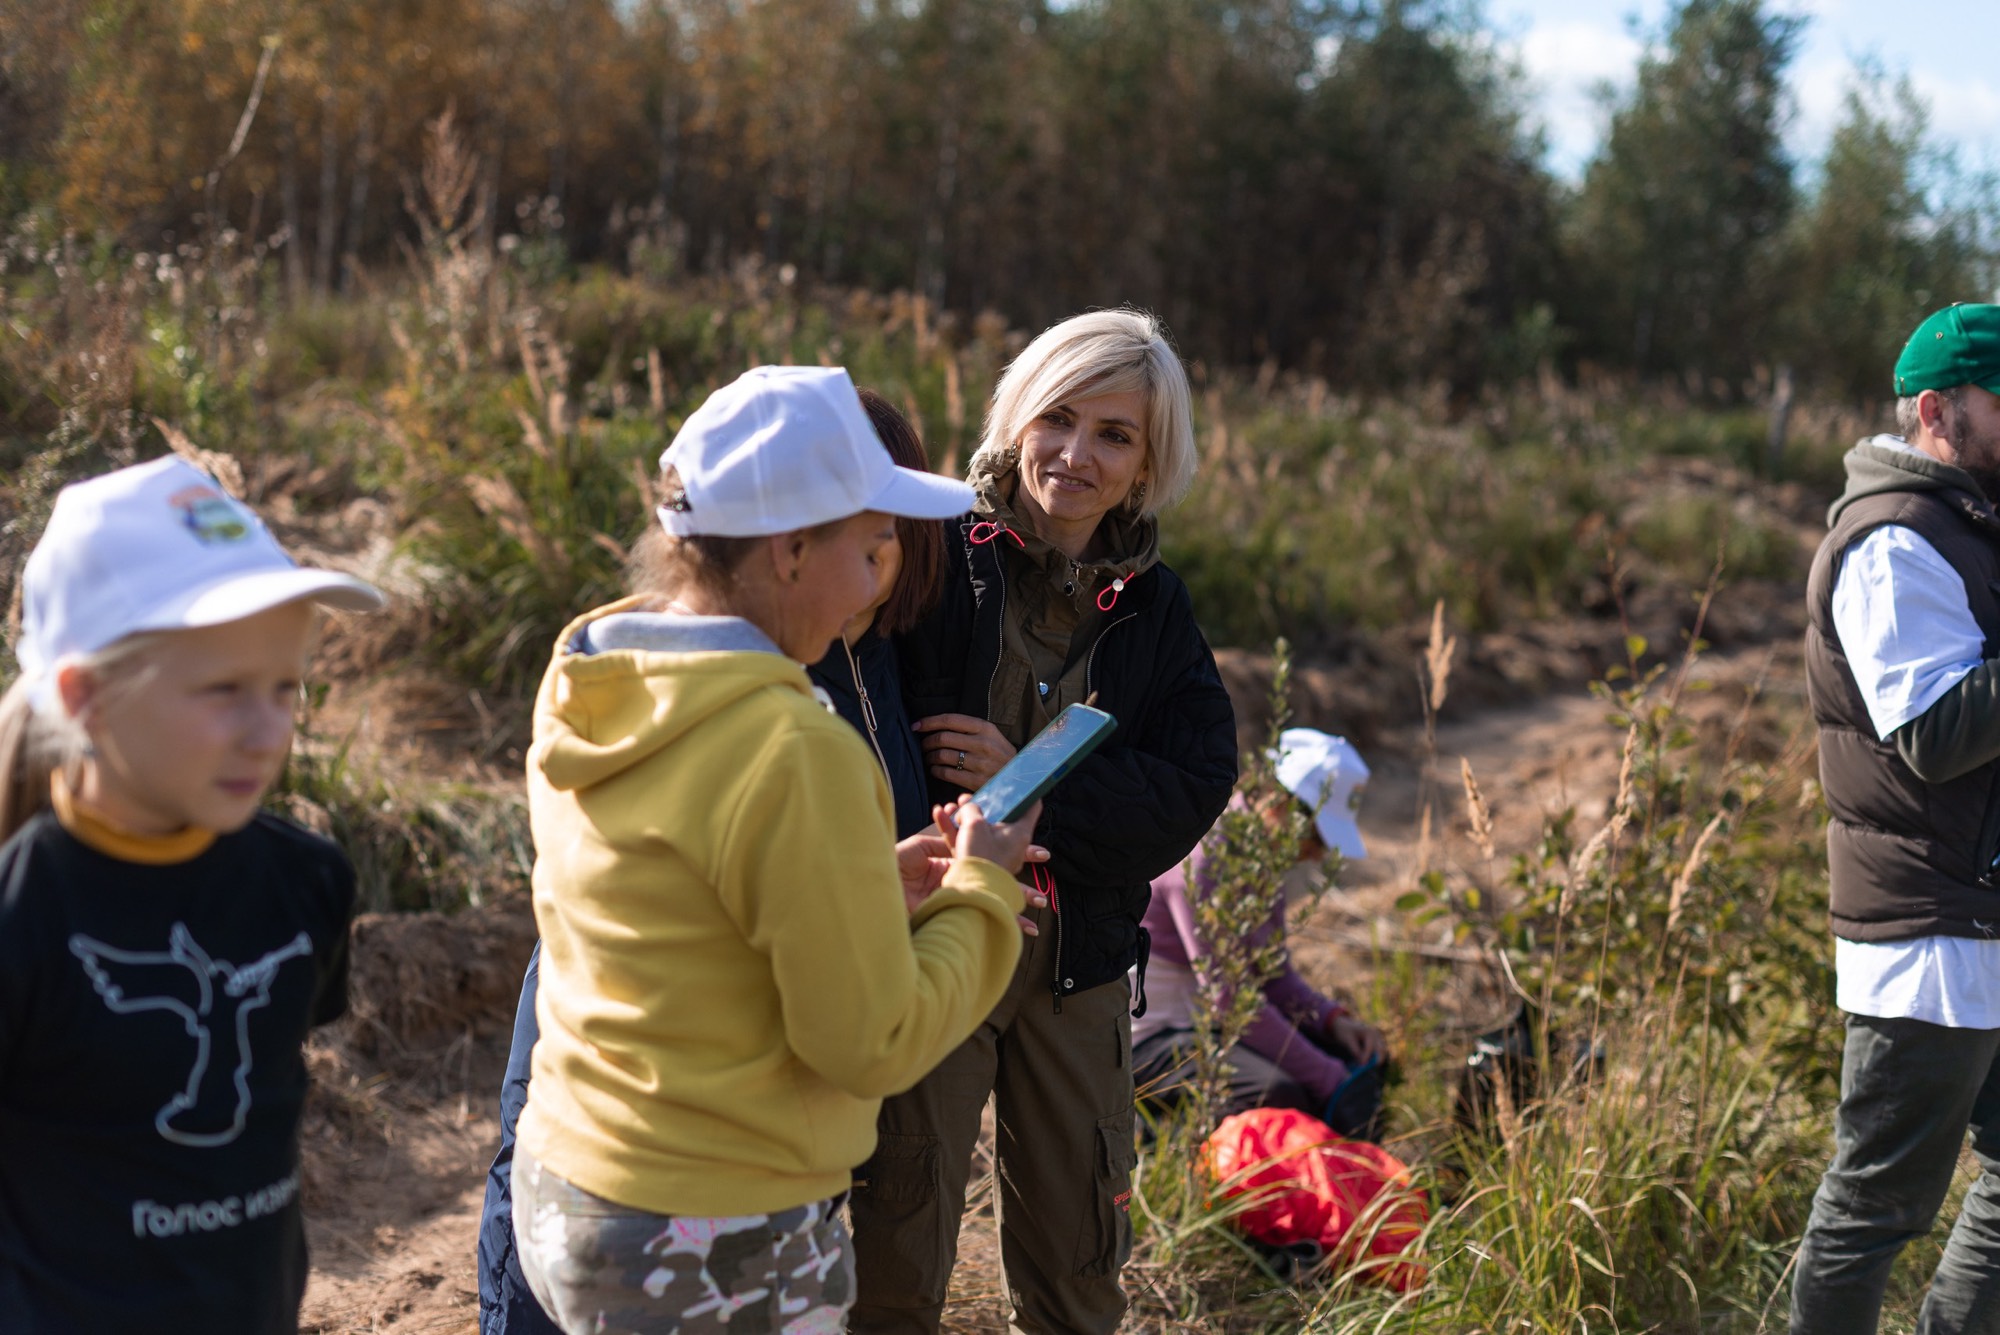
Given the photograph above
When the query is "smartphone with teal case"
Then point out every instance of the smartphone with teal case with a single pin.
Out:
(1040, 765)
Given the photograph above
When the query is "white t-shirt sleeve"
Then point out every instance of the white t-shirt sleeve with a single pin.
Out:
(1903, 620)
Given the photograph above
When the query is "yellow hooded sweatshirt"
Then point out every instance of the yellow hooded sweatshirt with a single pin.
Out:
(730, 983)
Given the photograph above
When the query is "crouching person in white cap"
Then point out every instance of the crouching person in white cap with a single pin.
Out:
(1303, 1050)
(165, 944)
(738, 959)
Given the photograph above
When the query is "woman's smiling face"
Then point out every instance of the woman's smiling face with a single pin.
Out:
(1080, 459)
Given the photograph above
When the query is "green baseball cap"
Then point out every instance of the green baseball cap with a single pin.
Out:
(1959, 345)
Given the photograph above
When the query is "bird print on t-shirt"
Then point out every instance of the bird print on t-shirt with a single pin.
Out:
(213, 999)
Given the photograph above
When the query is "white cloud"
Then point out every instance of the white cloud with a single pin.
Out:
(1566, 62)
(1819, 87)
(1962, 110)
(1580, 51)
(1566, 48)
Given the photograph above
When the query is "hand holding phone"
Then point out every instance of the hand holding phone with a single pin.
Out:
(969, 834)
(1044, 762)
(973, 836)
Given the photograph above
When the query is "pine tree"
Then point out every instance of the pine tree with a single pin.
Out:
(1892, 234)
(1675, 232)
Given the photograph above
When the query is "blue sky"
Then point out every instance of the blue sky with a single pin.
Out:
(1947, 47)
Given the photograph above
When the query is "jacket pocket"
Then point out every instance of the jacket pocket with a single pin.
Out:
(1106, 1240)
(903, 1240)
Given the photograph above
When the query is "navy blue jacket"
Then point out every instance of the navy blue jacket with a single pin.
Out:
(902, 753)
(506, 1307)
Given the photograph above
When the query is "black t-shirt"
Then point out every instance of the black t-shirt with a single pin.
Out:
(151, 1077)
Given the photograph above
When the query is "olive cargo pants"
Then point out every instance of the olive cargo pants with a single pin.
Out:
(1062, 1091)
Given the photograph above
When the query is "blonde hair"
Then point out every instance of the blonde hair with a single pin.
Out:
(1102, 352)
(38, 737)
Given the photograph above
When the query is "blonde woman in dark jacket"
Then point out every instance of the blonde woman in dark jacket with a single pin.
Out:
(1054, 591)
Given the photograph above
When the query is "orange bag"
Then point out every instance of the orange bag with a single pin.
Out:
(1307, 1183)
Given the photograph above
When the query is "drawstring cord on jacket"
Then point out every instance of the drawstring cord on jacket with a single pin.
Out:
(987, 530)
(1044, 882)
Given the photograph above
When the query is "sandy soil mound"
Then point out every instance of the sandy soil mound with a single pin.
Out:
(401, 1124)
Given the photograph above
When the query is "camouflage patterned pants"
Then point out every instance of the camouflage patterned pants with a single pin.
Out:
(600, 1268)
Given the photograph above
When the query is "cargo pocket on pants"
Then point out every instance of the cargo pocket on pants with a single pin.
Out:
(1106, 1242)
(902, 1251)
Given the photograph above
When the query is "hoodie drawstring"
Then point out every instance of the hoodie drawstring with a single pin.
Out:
(1107, 598)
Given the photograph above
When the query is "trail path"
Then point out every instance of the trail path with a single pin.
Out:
(393, 1217)
(1530, 761)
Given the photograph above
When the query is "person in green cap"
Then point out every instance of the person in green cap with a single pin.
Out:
(1904, 605)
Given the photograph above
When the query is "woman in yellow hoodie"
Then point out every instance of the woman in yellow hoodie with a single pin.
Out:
(730, 980)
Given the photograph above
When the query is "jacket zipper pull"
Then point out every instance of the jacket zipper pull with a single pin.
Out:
(867, 706)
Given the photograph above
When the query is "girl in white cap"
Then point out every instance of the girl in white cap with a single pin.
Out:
(730, 981)
(164, 944)
(1303, 1049)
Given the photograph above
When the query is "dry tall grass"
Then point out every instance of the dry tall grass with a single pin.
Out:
(486, 414)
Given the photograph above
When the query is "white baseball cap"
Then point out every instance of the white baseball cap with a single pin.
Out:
(1327, 774)
(159, 546)
(786, 447)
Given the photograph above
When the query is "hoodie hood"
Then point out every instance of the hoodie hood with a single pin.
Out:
(626, 683)
(1882, 464)
(1131, 541)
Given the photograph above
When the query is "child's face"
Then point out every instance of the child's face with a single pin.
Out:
(202, 733)
(1280, 807)
(842, 572)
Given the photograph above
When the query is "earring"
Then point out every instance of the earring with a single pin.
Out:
(1138, 492)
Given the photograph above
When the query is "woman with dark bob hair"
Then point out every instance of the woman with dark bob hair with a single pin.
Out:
(1054, 593)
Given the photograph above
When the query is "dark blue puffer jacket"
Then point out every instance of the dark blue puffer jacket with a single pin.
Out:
(506, 1307)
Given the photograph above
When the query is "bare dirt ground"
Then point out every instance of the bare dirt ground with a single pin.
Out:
(403, 1122)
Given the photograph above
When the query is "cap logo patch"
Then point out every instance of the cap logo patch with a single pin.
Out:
(211, 516)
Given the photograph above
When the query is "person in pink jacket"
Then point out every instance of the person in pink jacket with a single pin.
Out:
(1303, 1050)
